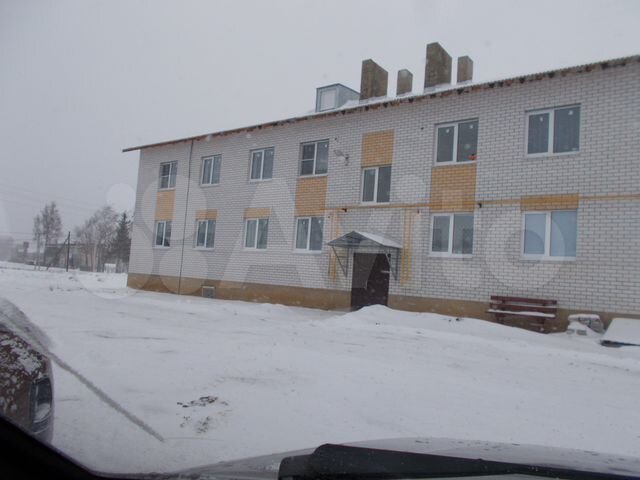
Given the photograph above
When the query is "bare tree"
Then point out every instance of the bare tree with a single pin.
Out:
(47, 226)
(96, 235)
(86, 240)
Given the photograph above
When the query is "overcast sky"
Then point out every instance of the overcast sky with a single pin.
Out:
(81, 80)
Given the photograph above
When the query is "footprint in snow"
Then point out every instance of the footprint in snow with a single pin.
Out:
(202, 424)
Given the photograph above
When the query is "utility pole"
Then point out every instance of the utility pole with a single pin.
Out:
(68, 248)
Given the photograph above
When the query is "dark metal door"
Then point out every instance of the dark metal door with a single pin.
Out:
(370, 283)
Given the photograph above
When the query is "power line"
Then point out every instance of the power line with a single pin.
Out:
(40, 193)
(27, 197)
(33, 202)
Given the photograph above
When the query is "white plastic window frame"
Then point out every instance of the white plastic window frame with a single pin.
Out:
(547, 238)
(449, 253)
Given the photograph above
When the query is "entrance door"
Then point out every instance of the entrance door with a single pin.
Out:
(370, 283)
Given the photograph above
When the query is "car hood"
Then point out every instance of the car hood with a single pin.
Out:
(22, 361)
(266, 467)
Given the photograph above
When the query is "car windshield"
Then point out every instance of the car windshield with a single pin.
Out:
(233, 230)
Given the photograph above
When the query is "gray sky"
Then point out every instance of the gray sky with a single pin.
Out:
(80, 80)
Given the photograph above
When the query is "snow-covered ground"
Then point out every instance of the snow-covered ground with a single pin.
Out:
(217, 380)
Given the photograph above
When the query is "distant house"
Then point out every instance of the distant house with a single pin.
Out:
(526, 186)
(7, 247)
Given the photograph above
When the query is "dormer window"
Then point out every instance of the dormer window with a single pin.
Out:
(334, 96)
(328, 99)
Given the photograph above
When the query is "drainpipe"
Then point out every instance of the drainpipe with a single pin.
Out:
(184, 227)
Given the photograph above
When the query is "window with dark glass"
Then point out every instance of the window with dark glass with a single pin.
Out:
(566, 129)
(309, 233)
(457, 142)
(538, 140)
(467, 141)
(555, 130)
(376, 184)
(163, 234)
(440, 234)
(314, 158)
(168, 172)
(452, 234)
(205, 234)
(262, 164)
(211, 170)
(256, 233)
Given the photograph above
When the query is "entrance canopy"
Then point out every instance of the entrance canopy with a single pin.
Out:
(366, 242)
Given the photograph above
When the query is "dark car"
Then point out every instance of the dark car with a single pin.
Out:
(26, 384)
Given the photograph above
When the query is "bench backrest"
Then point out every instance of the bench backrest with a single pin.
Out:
(521, 304)
(522, 300)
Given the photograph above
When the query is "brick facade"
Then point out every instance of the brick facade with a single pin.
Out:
(602, 179)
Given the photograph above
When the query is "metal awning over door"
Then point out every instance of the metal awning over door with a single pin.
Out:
(367, 242)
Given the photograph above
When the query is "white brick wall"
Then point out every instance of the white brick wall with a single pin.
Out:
(605, 275)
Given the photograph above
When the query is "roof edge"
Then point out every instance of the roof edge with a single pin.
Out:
(386, 102)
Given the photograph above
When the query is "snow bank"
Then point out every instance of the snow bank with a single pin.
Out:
(623, 331)
(220, 380)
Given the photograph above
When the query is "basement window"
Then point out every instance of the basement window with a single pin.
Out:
(168, 172)
(550, 234)
(309, 233)
(261, 164)
(205, 233)
(457, 142)
(211, 170)
(376, 184)
(452, 234)
(314, 158)
(555, 130)
(163, 234)
(256, 233)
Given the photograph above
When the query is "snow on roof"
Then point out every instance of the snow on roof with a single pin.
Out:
(624, 331)
(437, 91)
(385, 242)
(356, 238)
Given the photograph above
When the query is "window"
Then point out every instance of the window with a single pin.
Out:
(205, 234)
(256, 231)
(168, 174)
(550, 234)
(309, 233)
(163, 234)
(328, 99)
(376, 185)
(211, 170)
(315, 158)
(261, 164)
(553, 131)
(452, 234)
(457, 142)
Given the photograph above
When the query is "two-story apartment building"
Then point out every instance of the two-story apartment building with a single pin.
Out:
(528, 186)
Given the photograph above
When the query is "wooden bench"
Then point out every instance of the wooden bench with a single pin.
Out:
(535, 310)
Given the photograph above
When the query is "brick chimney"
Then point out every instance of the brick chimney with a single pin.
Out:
(465, 69)
(405, 82)
(373, 82)
(438, 68)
